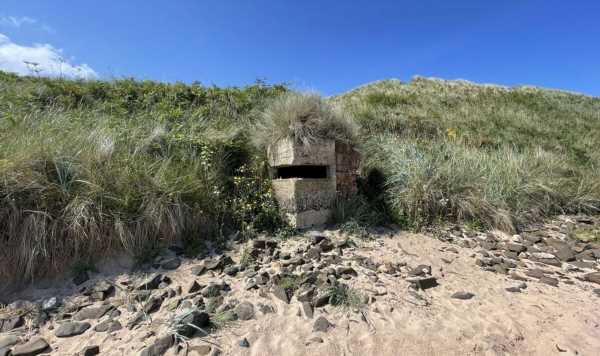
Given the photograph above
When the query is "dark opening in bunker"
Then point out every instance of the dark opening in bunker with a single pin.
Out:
(301, 172)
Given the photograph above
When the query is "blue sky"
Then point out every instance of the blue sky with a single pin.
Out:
(328, 46)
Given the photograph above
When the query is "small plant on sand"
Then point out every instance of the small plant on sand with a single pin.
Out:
(344, 296)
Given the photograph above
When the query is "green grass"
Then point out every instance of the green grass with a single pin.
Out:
(90, 168)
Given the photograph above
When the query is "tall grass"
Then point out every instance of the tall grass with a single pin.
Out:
(495, 155)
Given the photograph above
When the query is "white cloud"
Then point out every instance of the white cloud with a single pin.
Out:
(18, 22)
(42, 59)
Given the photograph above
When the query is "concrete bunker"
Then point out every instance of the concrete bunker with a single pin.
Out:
(307, 179)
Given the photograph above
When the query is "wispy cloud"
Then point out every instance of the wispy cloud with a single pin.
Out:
(40, 59)
(18, 22)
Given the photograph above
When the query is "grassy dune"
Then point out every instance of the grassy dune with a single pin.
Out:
(90, 168)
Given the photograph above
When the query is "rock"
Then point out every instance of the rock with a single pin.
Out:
(92, 312)
(136, 319)
(213, 290)
(316, 237)
(4, 351)
(50, 304)
(153, 304)
(513, 289)
(549, 280)
(245, 311)
(266, 309)
(313, 253)
(152, 282)
(307, 308)
(244, 343)
(593, 277)
(35, 346)
(217, 263)
(514, 247)
(159, 347)
(81, 278)
(321, 300)
(90, 351)
(108, 326)
(533, 238)
(564, 253)
(8, 340)
(326, 245)
(517, 277)
(420, 270)
(231, 270)
(536, 273)
(193, 287)
(463, 295)
(198, 270)
(171, 263)
(321, 324)
(192, 318)
(423, 282)
(314, 340)
(199, 350)
(345, 270)
(597, 292)
(280, 293)
(11, 323)
(72, 328)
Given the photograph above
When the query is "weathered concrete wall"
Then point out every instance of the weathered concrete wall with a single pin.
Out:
(347, 169)
(287, 153)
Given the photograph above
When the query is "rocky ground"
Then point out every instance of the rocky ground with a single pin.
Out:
(452, 291)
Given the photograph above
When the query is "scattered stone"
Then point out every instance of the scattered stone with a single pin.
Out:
(50, 304)
(136, 319)
(193, 287)
(345, 270)
(159, 347)
(231, 270)
(245, 311)
(72, 328)
(11, 323)
(463, 295)
(536, 273)
(8, 340)
(108, 326)
(597, 292)
(199, 350)
(422, 282)
(171, 263)
(218, 263)
(153, 304)
(593, 277)
(4, 351)
(90, 351)
(321, 324)
(316, 237)
(198, 270)
(517, 277)
(549, 280)
(420, 270)
(196, 318)
(35, 346)
(92, 312)
(266, 309)
(244, 343)
(280, 293)
(513, 289)
(564, 253)
(321, 300)
(307, 308)
(151, 282)
(514, 247)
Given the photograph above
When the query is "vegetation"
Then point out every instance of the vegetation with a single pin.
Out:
(495, 156)
(88, 168)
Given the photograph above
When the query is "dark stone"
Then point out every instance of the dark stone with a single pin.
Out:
(193, 287)
(108, 326)
(266, 309)
(307, 308)
(136, 319)
(345, 270)
(420, 270)
(321, 300)
(198, 270)
(153, 304)
(4, 351)
(321, 324)
(548, 261)
(513, 289)
(72, 328)
(90, 351)
(564, 253)
(259, 244)
(549, 280)
(315, 237)
(219, 262)
(511, 254)
(50, 304)
(244, 343)
(583, 264)
(195, 318)
(159, 347)
(33, 347)
(92, 312)
(518, 248)
(280, 293)
(326, 245)
(213, 290)
(245, 311)
(313, 253)
(597, 292)
(536, 273)
(532, 238)
(11, 323)
(231, 270)
(81, 278)
(593, 277)
(463, 295)
(423, 282)
(151, 282)
(171, 263)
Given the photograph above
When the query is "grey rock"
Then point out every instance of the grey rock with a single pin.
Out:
(193, 287)
(307, 308)
(189, 319)
(4, 351)
(50, 304)
(244, 343)
(345, 270)
(513, 289)
(33, 347)
(536, 273)
(72, 328)
(593, 277)
(280, 293)
(92, 312)
(315, 237)
(245, 311)
(463, 295)
(564, 253)
(549, 280)
(321, 324)
(231, 270)
(514, 247)
(8, 340)
(266, 309)
(420, 270)
(90, 351)
(108, 326)
(321, 300)
(198, 270)
(11, 323)
(136, 319)
(159, 347)
(152, 282)
(423, 282)
(518, 277)
(153, 304)
(171, 263)
(597, 292)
